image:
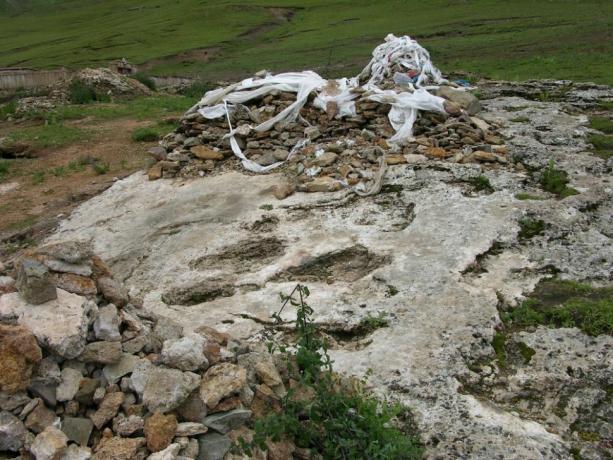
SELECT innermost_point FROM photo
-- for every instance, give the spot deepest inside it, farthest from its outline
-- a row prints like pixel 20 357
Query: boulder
pixel 65 338
pixel 19 354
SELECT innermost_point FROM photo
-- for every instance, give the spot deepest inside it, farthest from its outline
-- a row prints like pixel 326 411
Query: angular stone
pixel 108 409
pixel 102 353
pixel 167 389
pixel 19 354
pixel 193 408
pixel 114 372
pixel 74 452
pixel 136 344
pixel 163 330
pixel 87 387
pixel 66 337
pixel 437 153
pixel 227 421
pixel 206 153
pixel 159 431
pixel 323 184
pixel 128 426
pixel 325 159
pixel 77 284
pixel 282 191
pixel 155 172
pixel 7 284
pixel 464 99
pixel 190 429
pixel 140 374
pixel 77 429
pixel 268 374
pixel 47 372
pixel 395 159
pixel 170 453
pixel 72 252
pixel 34 282
pixel 221 381
pixel 106 326
pixel 113 291
pixel 281 450
pixel 158 152
pixel 46 392
pixel 117 448
pixel 213 446
pixel 12 432
pixel 186 353
pixel 50 444
pixel 40 418
pixel 69 384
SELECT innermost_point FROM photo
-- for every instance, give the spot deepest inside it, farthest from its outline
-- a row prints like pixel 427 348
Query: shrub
pixel 145 80
pixel 80 93
pixel 482 183
pixel 101 168
pixel 145 134
pixel 8 110
pixel 338 421
pixel 529 228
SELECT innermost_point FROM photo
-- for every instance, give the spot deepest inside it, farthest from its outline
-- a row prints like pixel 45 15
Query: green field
pixel 512 39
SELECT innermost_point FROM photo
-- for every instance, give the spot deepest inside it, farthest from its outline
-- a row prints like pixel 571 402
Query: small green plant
pixel 498 343
pixel 38 177
pixel 603 145
pixel 266 207
pixel 520 119
pixel 101 168
pixel 528 196
pixel 59 171
pixel 371 323
pixel 391 291
pixel 8 110
pixel 529 228
pixel 555 181
pixel 602 124
pixel 482 183
pixel 526 352
pixel 80 93
pixel 4 169
pixel 145 79
pixel 196 90
pixel 339 420
pixel 145 134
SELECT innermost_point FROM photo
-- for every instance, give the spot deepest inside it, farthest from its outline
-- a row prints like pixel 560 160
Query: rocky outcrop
pixel 435 253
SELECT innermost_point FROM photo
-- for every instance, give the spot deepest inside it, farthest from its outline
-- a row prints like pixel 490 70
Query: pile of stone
pixel 326 150
pixel 86 373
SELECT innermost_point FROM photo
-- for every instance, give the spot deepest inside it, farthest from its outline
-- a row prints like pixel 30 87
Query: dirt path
pixel 40 191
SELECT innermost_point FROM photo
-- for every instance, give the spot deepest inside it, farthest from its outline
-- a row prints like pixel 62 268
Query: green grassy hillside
pixel 515 39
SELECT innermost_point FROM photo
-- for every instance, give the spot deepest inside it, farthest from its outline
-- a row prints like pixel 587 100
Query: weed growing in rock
pixel 498 343
pixel 482 183
pixel 338 419
pixel 8 110
pixel 529 228
pixel 266 207
pixel 603 145
pixel 602 124
pixel 371 323
pixel 528 196
pixel 101 168
pixel 81 93
pixel 145 79
pixel 555 181
pixel 565 304
pixel 520 120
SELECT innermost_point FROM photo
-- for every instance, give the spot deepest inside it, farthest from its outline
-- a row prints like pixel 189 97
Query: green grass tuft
pixel 529 228
pixel 101 168
pixel 528 196
pixel 603 145
pixel 145 79
pixel 555 181
pixel 51 135
pixel 520 119
pixel 146 134
pixel 498 343
pixel 38 177
pixel 602 124
pixel 482 183
pixel 371 323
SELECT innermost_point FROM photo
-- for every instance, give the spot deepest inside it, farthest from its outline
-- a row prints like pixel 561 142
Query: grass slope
pixel 516 39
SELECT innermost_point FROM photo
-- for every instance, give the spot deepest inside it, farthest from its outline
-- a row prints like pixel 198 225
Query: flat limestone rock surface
pixel 217 251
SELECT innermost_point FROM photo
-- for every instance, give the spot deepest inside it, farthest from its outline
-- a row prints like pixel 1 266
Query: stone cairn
pixel 86 373
pixel 328 152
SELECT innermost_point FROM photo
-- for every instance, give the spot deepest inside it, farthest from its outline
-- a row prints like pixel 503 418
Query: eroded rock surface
pixel 431 253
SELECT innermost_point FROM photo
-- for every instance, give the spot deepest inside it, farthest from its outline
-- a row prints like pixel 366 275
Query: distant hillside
pixel 221 39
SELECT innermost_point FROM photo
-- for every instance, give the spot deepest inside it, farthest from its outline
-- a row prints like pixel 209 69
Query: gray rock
pixel 87 388
pixel 213 446
pixel 47 372
pixel 165 329
pixel 186 353
pixel 12 432
pixel 106 325
pixel 193 408
pixel 190 429
pixel 267 159
pixel 136 344
pixel 158 152
pixel 170 453
pixel 50 444
pixel 167 389
pixel 69 384
pixel 191 449
pixel 66 337
pixel 39 418
pixel 128 426
pixel 225 422
pixel 77 429
pixel 102 352
pixel 139 376
pixel 108 409
pixel 114 372
pixel 465 99
pixel 73 251
pixel 34 282
pixel 312 132
pixel 74 452
pixel 46 392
